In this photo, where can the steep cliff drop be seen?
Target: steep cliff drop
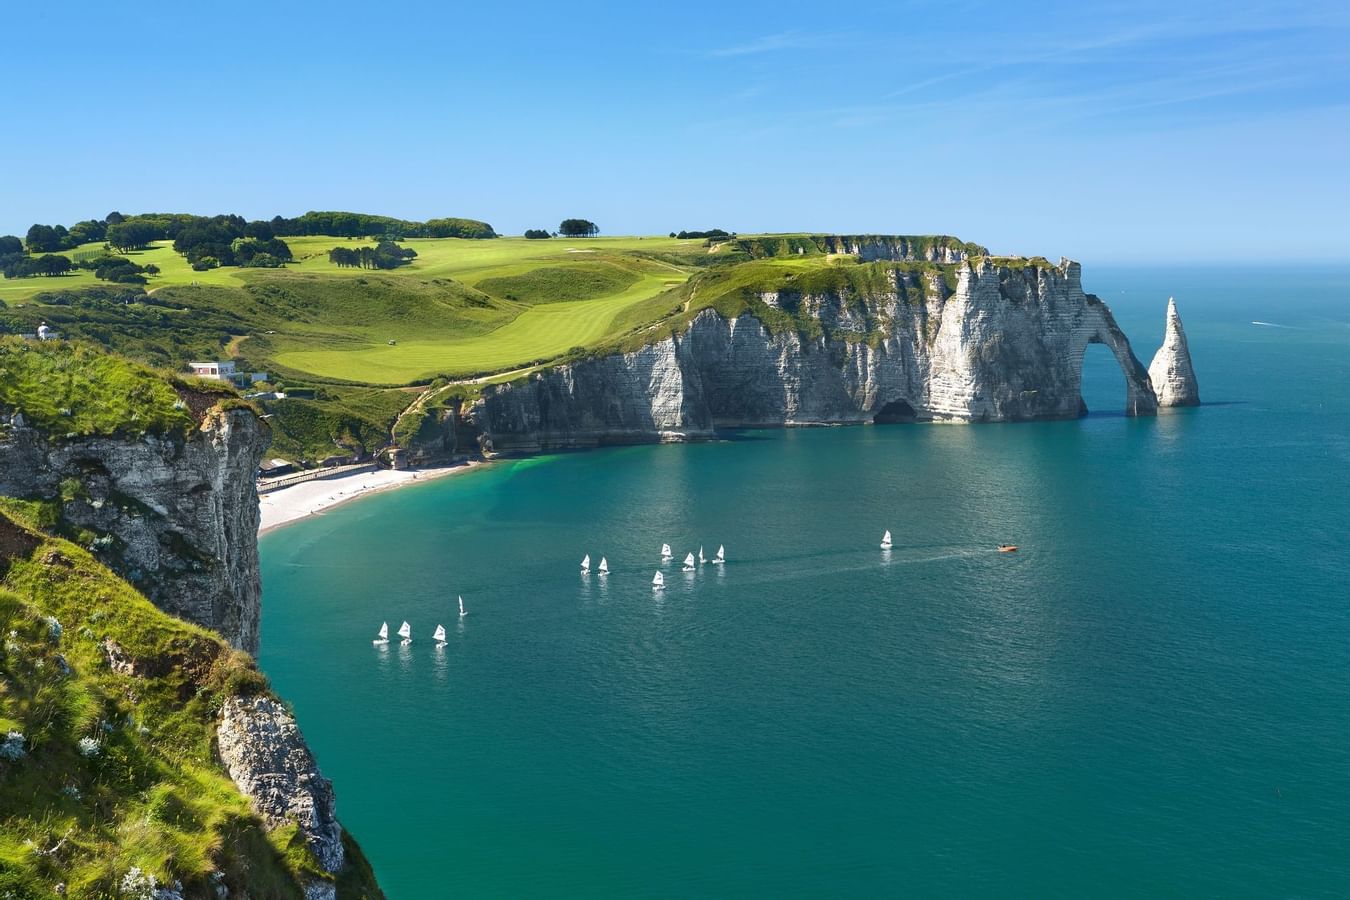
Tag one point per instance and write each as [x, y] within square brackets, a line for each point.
[1171, 372]
[177, 516]
[978, 340]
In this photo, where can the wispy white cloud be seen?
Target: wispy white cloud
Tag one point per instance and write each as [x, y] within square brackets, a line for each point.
[772, 43]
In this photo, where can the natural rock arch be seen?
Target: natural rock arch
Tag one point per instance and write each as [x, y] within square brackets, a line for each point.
[1139, 397]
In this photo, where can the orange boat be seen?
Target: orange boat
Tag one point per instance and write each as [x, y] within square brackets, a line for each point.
[1007, 548]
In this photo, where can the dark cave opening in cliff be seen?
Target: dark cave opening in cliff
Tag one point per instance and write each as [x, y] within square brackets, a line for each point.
[1102, 387]
[894, 413]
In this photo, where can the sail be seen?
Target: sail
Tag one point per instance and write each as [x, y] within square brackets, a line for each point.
[461, 606]
[604, 566]
[384, 631]
[665, 551]
[405, 630]
[440, 633]
[659, 580]
[689, 561]
[700, 555]
[586, 561]
[721, 553]
[886, 539]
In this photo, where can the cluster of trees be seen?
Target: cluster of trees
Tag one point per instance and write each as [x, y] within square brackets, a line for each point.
[118, 269]
[384, 255]
[20, 265]
[537, 234]
[715, 234]
[348, 224]
[230, 241]
[578, 228]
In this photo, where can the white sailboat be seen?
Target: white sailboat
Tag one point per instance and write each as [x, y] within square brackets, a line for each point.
[721, 556]
[384, 635]
[586, 564]
[701, 560]
[439, 636]
[405, 632]
[461, 607]
[604, 566]
[665, 553]
[886, 541]
[689, 563]
[658, 582]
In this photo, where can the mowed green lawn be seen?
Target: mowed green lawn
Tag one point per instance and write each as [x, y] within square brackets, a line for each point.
[544, 298]
[538, 332]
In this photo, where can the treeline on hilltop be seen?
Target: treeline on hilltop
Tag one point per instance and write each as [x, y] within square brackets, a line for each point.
[384, 255]
[712, 234]
[211, 241]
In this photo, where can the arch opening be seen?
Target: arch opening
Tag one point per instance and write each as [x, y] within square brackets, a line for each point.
[1103, 388]
[896, 412]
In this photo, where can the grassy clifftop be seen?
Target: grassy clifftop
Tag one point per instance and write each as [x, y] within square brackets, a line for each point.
[108, 778]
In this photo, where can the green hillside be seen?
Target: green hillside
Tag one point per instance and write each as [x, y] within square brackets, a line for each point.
[108, 781]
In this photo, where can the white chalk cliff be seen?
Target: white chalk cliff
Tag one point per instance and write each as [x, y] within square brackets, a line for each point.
[1005, 342]
[1171, 372]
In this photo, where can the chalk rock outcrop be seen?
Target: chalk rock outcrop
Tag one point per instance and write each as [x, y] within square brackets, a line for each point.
[1004, 343]
[265, 754]
[1171, 372]
[176, 516]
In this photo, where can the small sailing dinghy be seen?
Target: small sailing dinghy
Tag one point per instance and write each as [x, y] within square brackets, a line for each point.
[384, 635]
[439, 637]
[461, 607]
[405, 632]
[665, 553]
[604, 566]
[701, 559]
[586, 564]
[658, 582]
[1007, 548]
[721, 556]
[689, 563]
[886, 541]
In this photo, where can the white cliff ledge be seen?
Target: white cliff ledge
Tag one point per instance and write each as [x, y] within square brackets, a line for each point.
[981, 340]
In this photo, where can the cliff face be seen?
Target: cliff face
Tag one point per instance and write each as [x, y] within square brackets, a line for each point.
[266, 756]
[1171, 372]
[1005, 344]
[177, 517]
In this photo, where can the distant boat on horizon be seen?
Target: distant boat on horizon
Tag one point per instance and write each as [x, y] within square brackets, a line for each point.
[405, 632]
[439, 636]
[665, 553]
[689, 563]
[658, 582]
[384, 634]
[604, 566]
[886, 541]
[586, 564]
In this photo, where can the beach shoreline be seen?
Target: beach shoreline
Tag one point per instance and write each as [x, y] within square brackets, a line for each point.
[292, 504]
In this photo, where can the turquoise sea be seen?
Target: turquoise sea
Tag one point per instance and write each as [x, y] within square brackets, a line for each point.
[1151, 698]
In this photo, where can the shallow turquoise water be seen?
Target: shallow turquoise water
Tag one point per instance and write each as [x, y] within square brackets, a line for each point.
[1151, 698]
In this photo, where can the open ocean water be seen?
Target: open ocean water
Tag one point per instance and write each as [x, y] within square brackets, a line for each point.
[1151, 698]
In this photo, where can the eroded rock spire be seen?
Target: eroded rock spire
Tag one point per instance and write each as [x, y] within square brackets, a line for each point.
[1171, 372]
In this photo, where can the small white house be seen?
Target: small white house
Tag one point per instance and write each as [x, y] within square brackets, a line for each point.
[221, 371]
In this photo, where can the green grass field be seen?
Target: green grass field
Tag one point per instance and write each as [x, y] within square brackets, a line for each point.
[462, 307]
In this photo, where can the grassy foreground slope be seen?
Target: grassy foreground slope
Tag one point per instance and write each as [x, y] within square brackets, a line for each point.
[108, 782]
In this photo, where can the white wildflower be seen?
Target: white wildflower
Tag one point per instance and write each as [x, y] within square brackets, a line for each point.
[89, 747]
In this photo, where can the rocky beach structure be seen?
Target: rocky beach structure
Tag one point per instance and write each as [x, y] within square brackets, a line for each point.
[979, 339]
[1171, 372]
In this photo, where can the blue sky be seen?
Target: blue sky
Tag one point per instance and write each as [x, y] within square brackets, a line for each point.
[1110, 132]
